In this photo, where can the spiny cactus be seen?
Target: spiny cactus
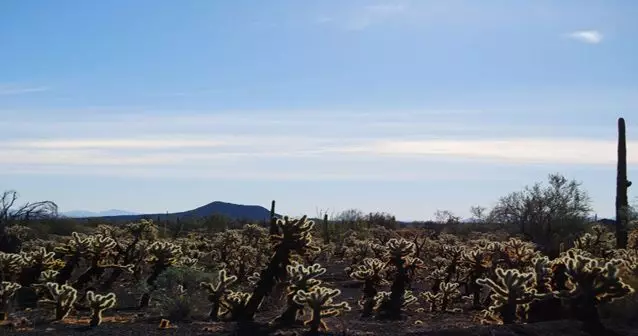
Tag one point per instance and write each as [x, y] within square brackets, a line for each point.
[382, 299]
[511, 290]
[371, 273]
[64, 296]
[443, 300]
[592, 282]
[549, 309]
[399, 250]
[320, 301]
[599, 242]
[622, 183]
[294, 236]
[476, 262]
[7, 289]
[303, 278]
[163, 255]
[10, 265]
[234, 303]
[98, 304]
[518, 254]
[73, 250]
[217, 291]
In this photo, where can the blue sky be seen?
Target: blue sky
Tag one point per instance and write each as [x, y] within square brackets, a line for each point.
[399, 106]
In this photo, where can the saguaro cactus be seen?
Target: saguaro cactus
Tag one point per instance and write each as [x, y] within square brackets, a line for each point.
[274, 229]
[99, 303]
[622, 203]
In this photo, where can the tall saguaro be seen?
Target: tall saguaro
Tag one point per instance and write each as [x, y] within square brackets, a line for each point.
[622, 202]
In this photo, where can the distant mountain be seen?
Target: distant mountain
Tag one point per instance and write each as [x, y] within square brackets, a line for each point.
[106, 213]
[235, 211]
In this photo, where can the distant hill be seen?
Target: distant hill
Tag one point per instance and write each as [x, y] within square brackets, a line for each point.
[234, 211]
[106, 213]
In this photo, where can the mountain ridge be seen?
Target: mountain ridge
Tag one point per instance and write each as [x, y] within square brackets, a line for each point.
[231, 210]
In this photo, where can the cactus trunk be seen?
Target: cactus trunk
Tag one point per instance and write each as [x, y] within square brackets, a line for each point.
[622, 203]
[273, 221]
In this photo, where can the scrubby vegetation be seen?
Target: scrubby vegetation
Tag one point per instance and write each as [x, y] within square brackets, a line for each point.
[537, 256]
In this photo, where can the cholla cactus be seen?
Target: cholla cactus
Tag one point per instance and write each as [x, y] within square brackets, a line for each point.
[518, 254]
[163, 255]
[234, 303]
[476, 262]
[592, 282]
[371, 273]
[7, 289]
[217, 291]
[320, 301]
[511, 290]
[551, 308]
[48, 276]
[443, 300]
[600, 242]
[10, 265]
[382, 299]
[74, 250]
[64, 297]
[302, 278]
[399, 250]
[293, 236]
[98, 304]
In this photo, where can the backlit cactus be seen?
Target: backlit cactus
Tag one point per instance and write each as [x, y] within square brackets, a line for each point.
[98, 303]
[300, 278]
[320, 302]
[399, 250]
[217, 291]
[447, 295]
[294, 236]
[592, 282]
[511, 291]
[7, 290]
[371, 273]
[64, 296]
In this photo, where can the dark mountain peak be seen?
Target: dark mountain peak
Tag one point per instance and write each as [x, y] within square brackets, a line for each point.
[255, 213]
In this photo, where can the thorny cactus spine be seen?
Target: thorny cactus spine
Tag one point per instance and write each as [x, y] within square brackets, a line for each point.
[593, 282]
[320, 302]
[7, 289]
[300, 278]
[295, 235]
[217, 291]
[371, 274]
[64, 297]
[510, 290]
[98, 304]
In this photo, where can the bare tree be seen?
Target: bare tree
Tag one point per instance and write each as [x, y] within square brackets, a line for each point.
[11, 214]
[539, 209]
[479, 213]
[446, 217]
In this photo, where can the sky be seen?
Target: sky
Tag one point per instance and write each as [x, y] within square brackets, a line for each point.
[400, 106]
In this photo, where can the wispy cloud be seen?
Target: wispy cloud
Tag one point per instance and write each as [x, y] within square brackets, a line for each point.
[374, 14]
[12, 89]
[586, 36]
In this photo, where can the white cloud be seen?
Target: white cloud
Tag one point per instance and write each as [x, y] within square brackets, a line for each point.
[586, 36]
[513, 150]
[12, 89]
